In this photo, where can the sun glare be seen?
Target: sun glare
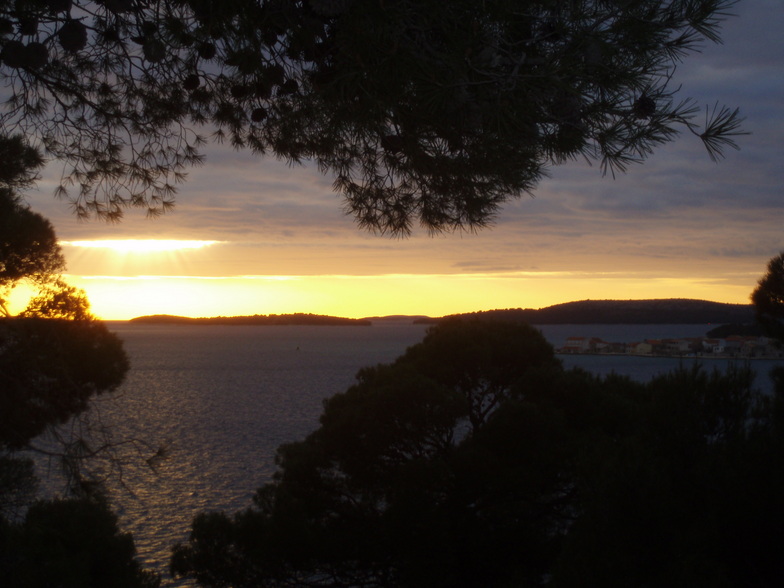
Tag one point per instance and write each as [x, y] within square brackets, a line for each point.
[141, 245]
[120, 298]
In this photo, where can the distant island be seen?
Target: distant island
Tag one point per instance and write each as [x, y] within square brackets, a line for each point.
[256, 319]
[738, 319]
[673, 311]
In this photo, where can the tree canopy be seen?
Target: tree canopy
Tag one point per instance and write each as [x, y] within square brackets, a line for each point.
[54, 356]
[49, 370]
[768, 301]
[768, 298]
[28, 246]
[72, 543]
[430, 111]
[565, 479]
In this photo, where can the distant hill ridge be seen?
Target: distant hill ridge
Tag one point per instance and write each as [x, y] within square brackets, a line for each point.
[655, 311]
[256, 319]
[585, 312]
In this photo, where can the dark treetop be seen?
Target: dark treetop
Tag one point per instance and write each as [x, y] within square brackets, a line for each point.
[426, 111]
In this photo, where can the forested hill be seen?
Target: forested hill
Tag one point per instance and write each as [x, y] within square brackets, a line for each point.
[257, 319]
[662, 311]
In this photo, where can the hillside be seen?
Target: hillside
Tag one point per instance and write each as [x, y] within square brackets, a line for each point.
[659, 311]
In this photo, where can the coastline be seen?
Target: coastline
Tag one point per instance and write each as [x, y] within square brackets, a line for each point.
[723, 357]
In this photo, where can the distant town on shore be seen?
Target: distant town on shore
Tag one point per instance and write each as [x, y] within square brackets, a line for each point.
[733, 346]
[731, 329]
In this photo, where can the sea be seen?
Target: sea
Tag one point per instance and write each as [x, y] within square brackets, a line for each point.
[197, 422]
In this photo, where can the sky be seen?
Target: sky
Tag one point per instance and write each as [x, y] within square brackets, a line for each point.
[256, 236]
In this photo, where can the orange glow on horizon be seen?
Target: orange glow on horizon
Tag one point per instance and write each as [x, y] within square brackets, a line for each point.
[124, 292]
[122, 298]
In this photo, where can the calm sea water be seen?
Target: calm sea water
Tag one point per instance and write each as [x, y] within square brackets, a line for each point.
[218, 400]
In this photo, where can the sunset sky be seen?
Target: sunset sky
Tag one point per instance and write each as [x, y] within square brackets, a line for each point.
[252, 236]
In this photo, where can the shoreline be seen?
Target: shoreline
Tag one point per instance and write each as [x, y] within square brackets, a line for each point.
[668, 356]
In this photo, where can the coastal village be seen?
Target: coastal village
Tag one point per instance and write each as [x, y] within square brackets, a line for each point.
[741, 347]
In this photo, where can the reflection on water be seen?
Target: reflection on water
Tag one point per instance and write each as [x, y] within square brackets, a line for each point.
[219, 401]
[212, 404]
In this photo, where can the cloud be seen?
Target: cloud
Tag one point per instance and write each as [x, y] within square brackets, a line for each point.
[679, 216]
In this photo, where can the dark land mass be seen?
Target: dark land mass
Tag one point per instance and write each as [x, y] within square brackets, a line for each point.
[735, 319]
[256, 319]
[399, 318]
[661, 311]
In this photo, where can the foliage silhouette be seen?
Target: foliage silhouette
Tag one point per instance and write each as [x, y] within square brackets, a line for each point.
[54, 357]
[49, 370]
[28, 246]
[768, 298]
[768, 301]
[71, 544]
[566, 478]
[18, 486]
[430, 111]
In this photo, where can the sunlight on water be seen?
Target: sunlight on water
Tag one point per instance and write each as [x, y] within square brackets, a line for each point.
[209, 405]
[212, 404]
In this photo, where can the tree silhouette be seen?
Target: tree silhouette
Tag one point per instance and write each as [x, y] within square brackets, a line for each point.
[768, 298]
[567, 480]
[402, 483]
[768, 301]
[73, 543]
[59, 300]
[28, 246]
[54, 357]
[430, 111]
[49, 370]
